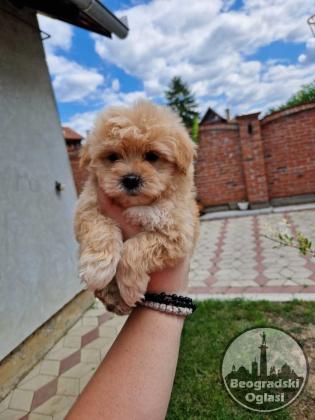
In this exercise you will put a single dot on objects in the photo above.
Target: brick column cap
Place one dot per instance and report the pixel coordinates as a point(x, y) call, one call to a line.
point(252, 116)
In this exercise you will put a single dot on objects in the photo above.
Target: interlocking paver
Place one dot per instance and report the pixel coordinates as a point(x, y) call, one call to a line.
point(68, 386)
point(21, 399)
point(70, 364)
point(242, 257)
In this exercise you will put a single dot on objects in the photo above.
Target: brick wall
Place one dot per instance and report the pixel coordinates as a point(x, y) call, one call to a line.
point(289, 144)
point(219, 176)
point(79, 174)
point(257, 160)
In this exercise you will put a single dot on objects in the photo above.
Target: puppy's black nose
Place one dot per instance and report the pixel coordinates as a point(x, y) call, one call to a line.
point(131, 181)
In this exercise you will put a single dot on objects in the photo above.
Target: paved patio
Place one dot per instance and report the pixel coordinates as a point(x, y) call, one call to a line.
point(232, 259)
point(52, 386)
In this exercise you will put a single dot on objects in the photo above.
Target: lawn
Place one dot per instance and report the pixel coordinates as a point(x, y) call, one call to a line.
point(198, 392)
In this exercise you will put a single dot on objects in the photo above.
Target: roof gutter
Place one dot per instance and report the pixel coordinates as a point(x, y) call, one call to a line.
point(99, 13)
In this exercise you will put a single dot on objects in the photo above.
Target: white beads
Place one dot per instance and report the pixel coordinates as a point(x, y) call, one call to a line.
point(170, 309)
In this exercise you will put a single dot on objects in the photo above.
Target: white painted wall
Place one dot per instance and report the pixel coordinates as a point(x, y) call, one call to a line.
point(38, 252)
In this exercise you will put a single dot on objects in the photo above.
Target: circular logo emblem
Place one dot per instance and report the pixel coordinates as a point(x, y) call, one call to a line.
point(264, 369)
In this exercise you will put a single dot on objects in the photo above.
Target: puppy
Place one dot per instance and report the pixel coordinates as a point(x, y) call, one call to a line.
point(142, 158)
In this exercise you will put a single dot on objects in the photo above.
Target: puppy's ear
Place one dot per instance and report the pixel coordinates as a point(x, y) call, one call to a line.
point(85, 158)
point(185, 152)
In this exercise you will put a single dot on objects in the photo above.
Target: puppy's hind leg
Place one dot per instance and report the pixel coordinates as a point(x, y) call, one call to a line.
point(111, 298)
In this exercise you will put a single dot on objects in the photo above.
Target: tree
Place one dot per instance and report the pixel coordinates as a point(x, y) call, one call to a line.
point(304, 95)
point(195, 129)
point(181, 100)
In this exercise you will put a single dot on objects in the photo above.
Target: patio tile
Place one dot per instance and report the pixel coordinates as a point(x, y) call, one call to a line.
point(73, 342)
point(59, 354)
point(70, 361)
point(80, 370)
point(89, 336)
point(79, 330)
point(44, 393)
point(90, 355)
point(90, 320)
point(107, 330)
point(4, 404)
point(68, 386)
point(34, 416)
point(36, 382)
point(34, 372)
point(100, 343)
point(10, 414)
point(55, 405)
point(241, 255)
point(49, 367)
point(21, 400)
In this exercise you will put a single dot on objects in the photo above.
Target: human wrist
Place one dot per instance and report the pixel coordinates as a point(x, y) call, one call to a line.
point(166, 319)
point(170, 280)
point(160, 287)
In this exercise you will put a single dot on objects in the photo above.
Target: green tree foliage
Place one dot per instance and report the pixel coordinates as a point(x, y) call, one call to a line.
point(195, 129)
point(304, 95)
point(181, 100)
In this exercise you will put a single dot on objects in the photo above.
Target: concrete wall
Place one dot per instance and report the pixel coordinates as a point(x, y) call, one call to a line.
point(37, 250)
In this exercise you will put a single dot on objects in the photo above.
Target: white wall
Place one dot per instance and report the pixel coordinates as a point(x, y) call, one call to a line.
point(38, 260)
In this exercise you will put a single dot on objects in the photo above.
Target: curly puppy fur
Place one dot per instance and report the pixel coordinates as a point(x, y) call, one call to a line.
point(150, 144)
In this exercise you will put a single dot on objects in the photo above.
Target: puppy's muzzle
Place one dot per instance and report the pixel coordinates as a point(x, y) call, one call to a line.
point(131, 182)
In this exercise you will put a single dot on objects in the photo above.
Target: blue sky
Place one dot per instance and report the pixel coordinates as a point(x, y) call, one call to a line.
point(245, 55)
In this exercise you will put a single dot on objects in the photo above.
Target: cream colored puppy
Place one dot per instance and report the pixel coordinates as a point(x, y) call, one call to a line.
point(142, 158)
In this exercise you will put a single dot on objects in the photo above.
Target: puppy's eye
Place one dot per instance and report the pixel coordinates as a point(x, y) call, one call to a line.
point(151, 157)
point(113, 157)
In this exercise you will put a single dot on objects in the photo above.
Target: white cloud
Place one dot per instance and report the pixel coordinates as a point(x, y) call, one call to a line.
point(210, 46)
point(83, 121)
point(61, 33)
point(115, 85)
point(309, 55)
point(72, 82)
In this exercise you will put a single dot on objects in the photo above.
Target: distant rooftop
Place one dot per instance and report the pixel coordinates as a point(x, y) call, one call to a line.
point(212, 117)
point(71, 135)
point(91, 15)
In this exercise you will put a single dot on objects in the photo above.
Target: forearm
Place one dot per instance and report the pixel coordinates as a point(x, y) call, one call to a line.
point(136, 377)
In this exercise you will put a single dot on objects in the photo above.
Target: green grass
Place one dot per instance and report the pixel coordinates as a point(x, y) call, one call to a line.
point(198, 392)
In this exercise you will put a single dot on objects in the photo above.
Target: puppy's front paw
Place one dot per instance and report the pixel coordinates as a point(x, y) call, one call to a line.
point(131, 283)
point(112, 300)
point(97, 269)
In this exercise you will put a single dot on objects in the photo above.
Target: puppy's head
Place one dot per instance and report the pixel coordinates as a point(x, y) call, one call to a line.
point(139, 154)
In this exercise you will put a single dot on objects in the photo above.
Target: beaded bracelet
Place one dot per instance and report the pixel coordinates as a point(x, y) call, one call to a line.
point(172, 304)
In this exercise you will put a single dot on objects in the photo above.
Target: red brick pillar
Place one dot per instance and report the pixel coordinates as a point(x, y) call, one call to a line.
point(79, 174)
point(253, 160)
